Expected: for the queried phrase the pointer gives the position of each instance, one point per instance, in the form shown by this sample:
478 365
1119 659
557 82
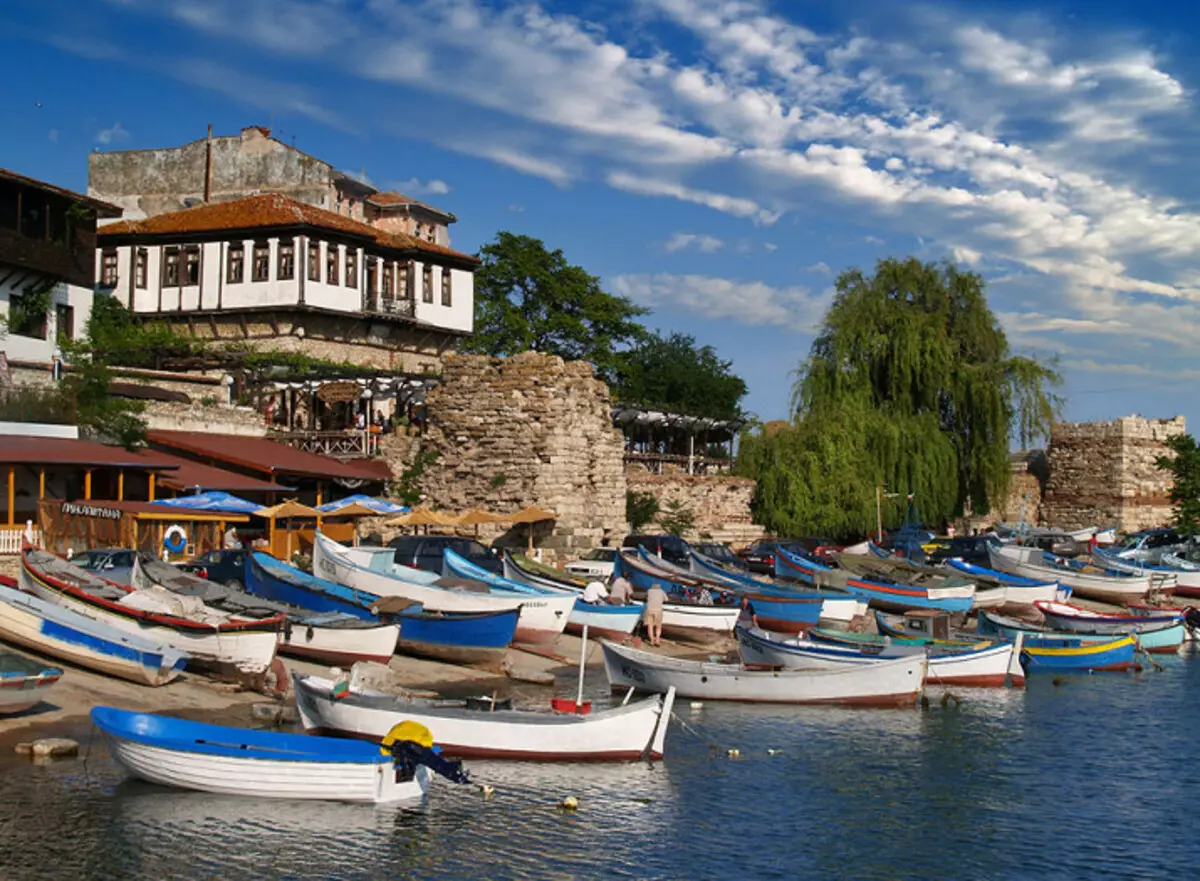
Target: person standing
656 597
620 592
748 617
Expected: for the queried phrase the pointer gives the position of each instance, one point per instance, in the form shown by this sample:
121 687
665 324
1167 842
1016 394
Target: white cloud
820 268
734 205
524 163
963 254
114 134
682 241
770 246
416 187
52 135
516 209
746 302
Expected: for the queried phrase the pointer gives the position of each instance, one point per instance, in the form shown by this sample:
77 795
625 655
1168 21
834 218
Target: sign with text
74 509
339 392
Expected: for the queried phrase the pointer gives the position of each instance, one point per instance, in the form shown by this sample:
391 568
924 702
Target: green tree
911 385
676 518
640 509
528 297
673 373
1184 466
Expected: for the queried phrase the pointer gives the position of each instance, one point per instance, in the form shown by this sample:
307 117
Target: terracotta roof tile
264 211
259 454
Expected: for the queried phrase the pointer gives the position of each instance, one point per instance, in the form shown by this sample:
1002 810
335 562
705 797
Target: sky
718 161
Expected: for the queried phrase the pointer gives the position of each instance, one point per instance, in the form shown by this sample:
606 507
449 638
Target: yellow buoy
569 803
733 753
486 789
406 730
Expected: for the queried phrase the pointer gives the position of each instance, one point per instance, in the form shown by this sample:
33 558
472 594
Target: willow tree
910 385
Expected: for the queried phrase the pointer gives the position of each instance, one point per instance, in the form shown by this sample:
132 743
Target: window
64 321
141 268
427 283
420 229
286 268
331 263
314 261
108 268
262 262
389 279
170 266
445 285
351 269
23 323
191 265
372 265
236 269
405 277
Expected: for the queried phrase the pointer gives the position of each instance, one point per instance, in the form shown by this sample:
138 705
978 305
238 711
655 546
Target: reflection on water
1082 779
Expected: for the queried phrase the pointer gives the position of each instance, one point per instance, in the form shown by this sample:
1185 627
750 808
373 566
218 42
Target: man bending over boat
595 593
620 592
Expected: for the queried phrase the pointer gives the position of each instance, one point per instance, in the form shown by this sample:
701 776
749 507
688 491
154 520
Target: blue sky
719 161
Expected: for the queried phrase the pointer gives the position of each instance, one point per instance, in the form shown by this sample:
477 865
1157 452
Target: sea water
1079 777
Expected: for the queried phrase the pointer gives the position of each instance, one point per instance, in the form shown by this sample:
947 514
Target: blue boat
475 638
792 565
888 595
1163 638
270 764
1070 655
459 566
271 579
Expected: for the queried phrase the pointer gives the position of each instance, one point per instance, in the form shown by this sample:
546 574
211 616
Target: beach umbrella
354 510
378 506
475 516
287 510
531 515
212 501
422 516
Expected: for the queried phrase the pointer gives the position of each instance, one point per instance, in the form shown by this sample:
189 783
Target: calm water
1092 778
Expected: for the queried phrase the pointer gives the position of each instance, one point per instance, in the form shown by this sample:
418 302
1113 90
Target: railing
338 444
659 463
382 304
10 539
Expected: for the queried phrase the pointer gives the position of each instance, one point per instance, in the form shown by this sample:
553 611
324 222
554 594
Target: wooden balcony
668 463
353 444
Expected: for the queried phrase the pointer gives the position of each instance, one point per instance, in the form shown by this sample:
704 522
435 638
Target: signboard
74 509
339 392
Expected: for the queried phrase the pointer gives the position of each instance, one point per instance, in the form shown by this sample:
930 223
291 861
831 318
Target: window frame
333 261
141 268
427 283
314 260
260 255
64 321
235 257
191 259
351 268
110 267
172 259
447 293
285 260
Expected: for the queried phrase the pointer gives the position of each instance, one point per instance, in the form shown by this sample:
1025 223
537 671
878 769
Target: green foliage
97 412
408 486
49 405
527 297
27 314
1184 466
117 338
910 385
497 480
640 509
674 374
676 518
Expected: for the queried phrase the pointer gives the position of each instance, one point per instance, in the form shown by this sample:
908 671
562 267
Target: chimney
208 165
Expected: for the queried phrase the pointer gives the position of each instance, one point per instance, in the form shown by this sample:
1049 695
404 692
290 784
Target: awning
213 501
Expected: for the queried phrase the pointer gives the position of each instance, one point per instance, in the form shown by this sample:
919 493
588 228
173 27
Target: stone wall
527 430
720 503
245 421
1103 473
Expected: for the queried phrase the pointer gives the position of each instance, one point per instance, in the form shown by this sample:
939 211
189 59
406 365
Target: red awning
192 476
57 451
259 454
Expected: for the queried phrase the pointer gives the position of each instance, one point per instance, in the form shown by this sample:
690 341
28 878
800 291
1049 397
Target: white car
596 563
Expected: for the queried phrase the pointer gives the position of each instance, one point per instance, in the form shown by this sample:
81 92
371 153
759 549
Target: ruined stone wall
215 419
1103 473
527 430
720 503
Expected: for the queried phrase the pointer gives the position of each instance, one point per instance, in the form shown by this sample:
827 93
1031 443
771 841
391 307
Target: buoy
486 790
774 752
569 803
733 753
697 705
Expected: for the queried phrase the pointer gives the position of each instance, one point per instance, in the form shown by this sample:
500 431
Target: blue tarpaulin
213 501
383 506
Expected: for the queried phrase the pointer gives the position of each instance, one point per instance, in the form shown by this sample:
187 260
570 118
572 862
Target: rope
690 730
1153 663
88 755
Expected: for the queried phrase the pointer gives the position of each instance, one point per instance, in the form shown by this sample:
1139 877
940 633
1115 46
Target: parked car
760 556
820 548
969 548
671 548
115 564
721 554
425 552
596 563
223 566
1149 545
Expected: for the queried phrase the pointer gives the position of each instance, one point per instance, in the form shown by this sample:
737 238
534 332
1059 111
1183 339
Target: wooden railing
10 539
353 444
658 463
382 304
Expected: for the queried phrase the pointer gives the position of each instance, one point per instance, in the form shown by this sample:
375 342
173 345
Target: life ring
175 539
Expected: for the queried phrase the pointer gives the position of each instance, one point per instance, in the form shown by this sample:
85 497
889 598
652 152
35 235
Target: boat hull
477 640
23 691
1111 589
608 622
1049 656
340 646
49 629
624 733
272 579
887 683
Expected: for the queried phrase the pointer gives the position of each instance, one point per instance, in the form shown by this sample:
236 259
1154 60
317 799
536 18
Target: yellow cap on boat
406 730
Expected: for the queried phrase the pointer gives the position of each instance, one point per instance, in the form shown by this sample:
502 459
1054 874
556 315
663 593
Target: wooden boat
1076 619
610 622
792 565
1047 655
1170 564
50 629
268 764
224 643
880 594
542 616
478 639
1084 580
784 614
982 665
624 733
884 683
925 626
24 682
1187 572
1019 593
1161 638
273 579
525 573
333 638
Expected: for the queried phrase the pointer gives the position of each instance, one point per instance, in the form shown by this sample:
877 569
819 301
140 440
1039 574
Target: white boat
695 622
627 732
220 642
885 683
49 629
603 620
261 764
1019 593
24 682
985 665
1085 581
989 598
542 616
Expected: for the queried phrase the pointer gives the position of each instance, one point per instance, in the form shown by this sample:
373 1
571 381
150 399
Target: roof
190 475
268 211
22 450
104 209
392 199
258 454
141 392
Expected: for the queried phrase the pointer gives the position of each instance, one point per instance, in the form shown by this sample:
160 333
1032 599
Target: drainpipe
208 165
